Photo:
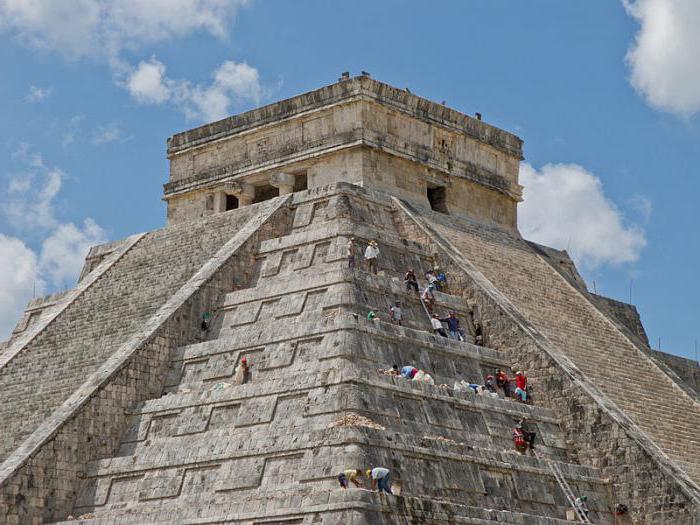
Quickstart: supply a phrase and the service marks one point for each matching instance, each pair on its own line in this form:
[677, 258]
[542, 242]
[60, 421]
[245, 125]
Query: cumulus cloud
[28, 204]
[37, 94]
[106, 134]
[147, 83]
[663, 60]
[107, 30]
[18, 281]
[565, 207]
[64, 251]
[104, 28]
[232, 83]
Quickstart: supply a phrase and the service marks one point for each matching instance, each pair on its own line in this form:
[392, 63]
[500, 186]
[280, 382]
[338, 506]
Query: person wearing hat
[581, 505]
[488, 384]
[242, 372]
[395, 313]
[352, 251]
[380, 479]
[371, 255]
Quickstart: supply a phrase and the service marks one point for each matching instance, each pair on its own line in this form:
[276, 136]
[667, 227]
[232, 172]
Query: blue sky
[605, 95]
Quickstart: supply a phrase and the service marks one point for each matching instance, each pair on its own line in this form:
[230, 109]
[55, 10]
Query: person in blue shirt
[440, 279]
[453, 326]
[409, 371]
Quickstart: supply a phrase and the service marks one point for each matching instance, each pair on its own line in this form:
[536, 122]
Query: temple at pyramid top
[357, 130]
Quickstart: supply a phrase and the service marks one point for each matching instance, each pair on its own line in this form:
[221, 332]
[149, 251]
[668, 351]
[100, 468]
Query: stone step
[343, 506]
[576, 328]
[59, 359]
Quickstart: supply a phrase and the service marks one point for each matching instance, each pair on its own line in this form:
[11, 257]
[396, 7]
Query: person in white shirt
[371, 255]
[351, 253]
[437, 326]
[396, 314]
[380, 479]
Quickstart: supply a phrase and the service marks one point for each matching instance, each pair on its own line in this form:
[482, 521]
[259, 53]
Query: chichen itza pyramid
[119, 405]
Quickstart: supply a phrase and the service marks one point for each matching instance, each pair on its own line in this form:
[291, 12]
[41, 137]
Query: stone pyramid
[121, 407]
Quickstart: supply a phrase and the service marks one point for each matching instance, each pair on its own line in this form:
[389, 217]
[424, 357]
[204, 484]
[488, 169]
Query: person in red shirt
[503, 382]
[521, 386]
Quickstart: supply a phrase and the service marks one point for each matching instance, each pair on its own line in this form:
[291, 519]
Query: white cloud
[64, 251]
[147, 83]
[37, 94]
[565, 207]
[18, 281]
[28, 204]
[30, 193]
[107, 30]
[664, 59]
[103, 28]
[106, 134]
[232, 83]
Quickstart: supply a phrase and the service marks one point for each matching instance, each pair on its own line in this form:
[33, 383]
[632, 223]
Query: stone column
[247, 194]
[219, 201]
[283, 181]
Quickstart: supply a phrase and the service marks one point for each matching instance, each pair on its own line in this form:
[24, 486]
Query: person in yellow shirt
[347, 476]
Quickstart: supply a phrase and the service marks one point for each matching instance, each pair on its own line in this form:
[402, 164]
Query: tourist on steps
[410, 281]
[350, 476]
[428, 297]
[581, 505]
[437, 326]
[489, 385]
[528, 435]
[351, 251]
[242, 373]
[371, 255]
[503, 382]
[395, 313]
[409, 372]
[431, 278]
[521, 386]
[380, 479]
[453, 326]
[441, 280]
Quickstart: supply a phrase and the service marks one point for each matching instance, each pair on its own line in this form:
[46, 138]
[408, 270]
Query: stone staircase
[626, 375]
[55, 362]
[210, 451]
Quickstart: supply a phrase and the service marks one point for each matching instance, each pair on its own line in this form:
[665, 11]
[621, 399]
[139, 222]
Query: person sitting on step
[409, 372]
